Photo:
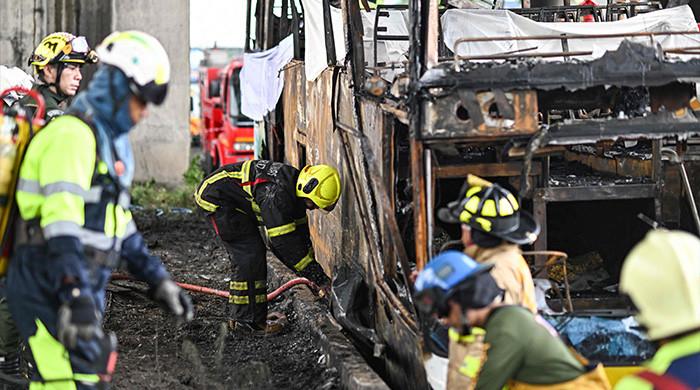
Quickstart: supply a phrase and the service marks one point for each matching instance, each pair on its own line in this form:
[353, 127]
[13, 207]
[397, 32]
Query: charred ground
[157, 353]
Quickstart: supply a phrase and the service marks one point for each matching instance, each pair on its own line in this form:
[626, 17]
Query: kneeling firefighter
[75, 225]
[239, 197]
[517, 348]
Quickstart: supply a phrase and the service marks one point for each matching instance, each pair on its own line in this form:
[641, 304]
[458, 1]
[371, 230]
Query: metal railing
[564, 38]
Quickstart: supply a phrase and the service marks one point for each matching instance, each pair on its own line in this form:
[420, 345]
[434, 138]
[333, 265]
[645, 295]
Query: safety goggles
[77, 45]
[78, 50]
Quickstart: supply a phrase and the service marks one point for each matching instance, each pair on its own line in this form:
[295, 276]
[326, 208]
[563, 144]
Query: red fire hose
[225, 294]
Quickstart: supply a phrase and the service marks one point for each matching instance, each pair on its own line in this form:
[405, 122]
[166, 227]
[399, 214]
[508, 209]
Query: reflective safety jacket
[677, 361]
[265, 191]
[69, 202]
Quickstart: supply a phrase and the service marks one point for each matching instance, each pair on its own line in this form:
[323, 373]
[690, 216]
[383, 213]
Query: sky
[217, 21]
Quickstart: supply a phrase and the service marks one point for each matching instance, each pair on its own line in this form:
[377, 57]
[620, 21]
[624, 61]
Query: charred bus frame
[389, 142]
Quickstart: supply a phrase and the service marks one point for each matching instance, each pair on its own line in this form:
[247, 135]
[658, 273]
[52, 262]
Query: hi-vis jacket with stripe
[264, 191]
[69, 202]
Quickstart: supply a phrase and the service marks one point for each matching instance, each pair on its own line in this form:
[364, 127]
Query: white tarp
[315, 60]
[262, 80]
[459, 23]
[13, 77]
[387, 51]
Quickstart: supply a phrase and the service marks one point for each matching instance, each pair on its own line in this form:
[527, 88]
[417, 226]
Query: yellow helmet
[662, 277]
[62, 47]
[321, 184]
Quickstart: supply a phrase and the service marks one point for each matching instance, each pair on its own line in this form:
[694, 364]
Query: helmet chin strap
[56, 83]
[464, 328]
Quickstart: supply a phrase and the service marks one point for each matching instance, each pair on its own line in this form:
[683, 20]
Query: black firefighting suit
[239, 198]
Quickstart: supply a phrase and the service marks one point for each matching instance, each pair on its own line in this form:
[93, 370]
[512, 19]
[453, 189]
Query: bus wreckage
[593, 124]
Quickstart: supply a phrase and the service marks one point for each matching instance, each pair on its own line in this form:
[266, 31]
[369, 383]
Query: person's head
[319, 187]
[490, 215]
[661, 275]
[58, 59]
[455, 287]
[144, 63]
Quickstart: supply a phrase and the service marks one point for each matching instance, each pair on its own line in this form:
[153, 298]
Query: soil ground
[156, 353]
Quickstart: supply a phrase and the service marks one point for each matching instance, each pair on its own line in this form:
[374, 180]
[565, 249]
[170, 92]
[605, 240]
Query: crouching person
[75, 223]
[508, 344]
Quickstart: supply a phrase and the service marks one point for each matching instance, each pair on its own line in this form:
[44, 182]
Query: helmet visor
[79, 45]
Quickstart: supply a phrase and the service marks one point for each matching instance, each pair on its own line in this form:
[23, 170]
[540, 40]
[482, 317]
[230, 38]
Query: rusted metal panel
[604, 192]
[513, 168]
[477, 114]
[617, 166]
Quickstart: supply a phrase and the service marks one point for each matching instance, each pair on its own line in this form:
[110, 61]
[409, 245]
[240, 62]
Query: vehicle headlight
[243, 146]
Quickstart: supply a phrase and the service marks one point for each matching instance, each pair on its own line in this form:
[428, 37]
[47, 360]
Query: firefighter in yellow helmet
[242, 196]
[493, 227]
[57, 63]
[661, 275]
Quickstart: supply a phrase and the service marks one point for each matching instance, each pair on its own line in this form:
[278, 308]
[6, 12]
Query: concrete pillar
[162, 141]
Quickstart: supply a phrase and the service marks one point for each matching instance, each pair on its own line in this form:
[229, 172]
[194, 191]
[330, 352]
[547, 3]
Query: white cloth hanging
[262, 79]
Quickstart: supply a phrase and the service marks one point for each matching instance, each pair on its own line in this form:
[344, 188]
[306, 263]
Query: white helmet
[662, 276]
[142, 59]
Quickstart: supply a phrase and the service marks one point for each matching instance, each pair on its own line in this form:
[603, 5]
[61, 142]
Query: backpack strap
[662, 382]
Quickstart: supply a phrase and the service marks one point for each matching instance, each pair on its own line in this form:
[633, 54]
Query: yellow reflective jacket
[66, 190]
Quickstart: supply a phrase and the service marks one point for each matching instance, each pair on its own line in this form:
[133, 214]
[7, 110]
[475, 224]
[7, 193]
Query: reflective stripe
[471, 366]
[88, 237]
[30, 186]
[208, 206]
[281, 230]
[261, 298]
[33, 187]
[130, 229]
[303, 263]
[62, 228]
[245, 177]
[238, 300]
[51, 357]
[86, 378]
[124, 200]
[260, 284]
[455, 336]
[239, 286]
[302, 221]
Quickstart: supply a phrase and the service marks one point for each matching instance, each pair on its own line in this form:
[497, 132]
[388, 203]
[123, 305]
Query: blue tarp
[610, 340]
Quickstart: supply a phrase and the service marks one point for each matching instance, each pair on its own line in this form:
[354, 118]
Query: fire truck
[227, 135]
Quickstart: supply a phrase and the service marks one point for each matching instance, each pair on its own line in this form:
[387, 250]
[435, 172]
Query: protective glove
[174, 299]
[78, 318]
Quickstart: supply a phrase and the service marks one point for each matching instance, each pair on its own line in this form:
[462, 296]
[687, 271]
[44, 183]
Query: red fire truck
[227, 135]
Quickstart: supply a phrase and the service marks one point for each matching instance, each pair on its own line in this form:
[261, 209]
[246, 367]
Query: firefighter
[75, 225]
[521, 350]
[57, 63]
[661, 275]
[238, 198]
[493, 227]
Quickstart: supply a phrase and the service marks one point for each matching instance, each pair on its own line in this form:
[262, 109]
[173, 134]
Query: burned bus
[588, 112]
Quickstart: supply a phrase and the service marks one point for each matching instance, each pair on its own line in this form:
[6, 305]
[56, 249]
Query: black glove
[174, 299]
[78, 318]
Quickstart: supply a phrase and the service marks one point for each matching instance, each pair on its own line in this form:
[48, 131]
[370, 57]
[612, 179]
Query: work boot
[275, 323]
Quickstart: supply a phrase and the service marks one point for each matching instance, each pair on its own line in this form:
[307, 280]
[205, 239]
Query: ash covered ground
[156, 353]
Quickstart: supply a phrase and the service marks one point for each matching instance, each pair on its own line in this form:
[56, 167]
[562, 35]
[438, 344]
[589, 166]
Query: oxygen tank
[15, 133]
